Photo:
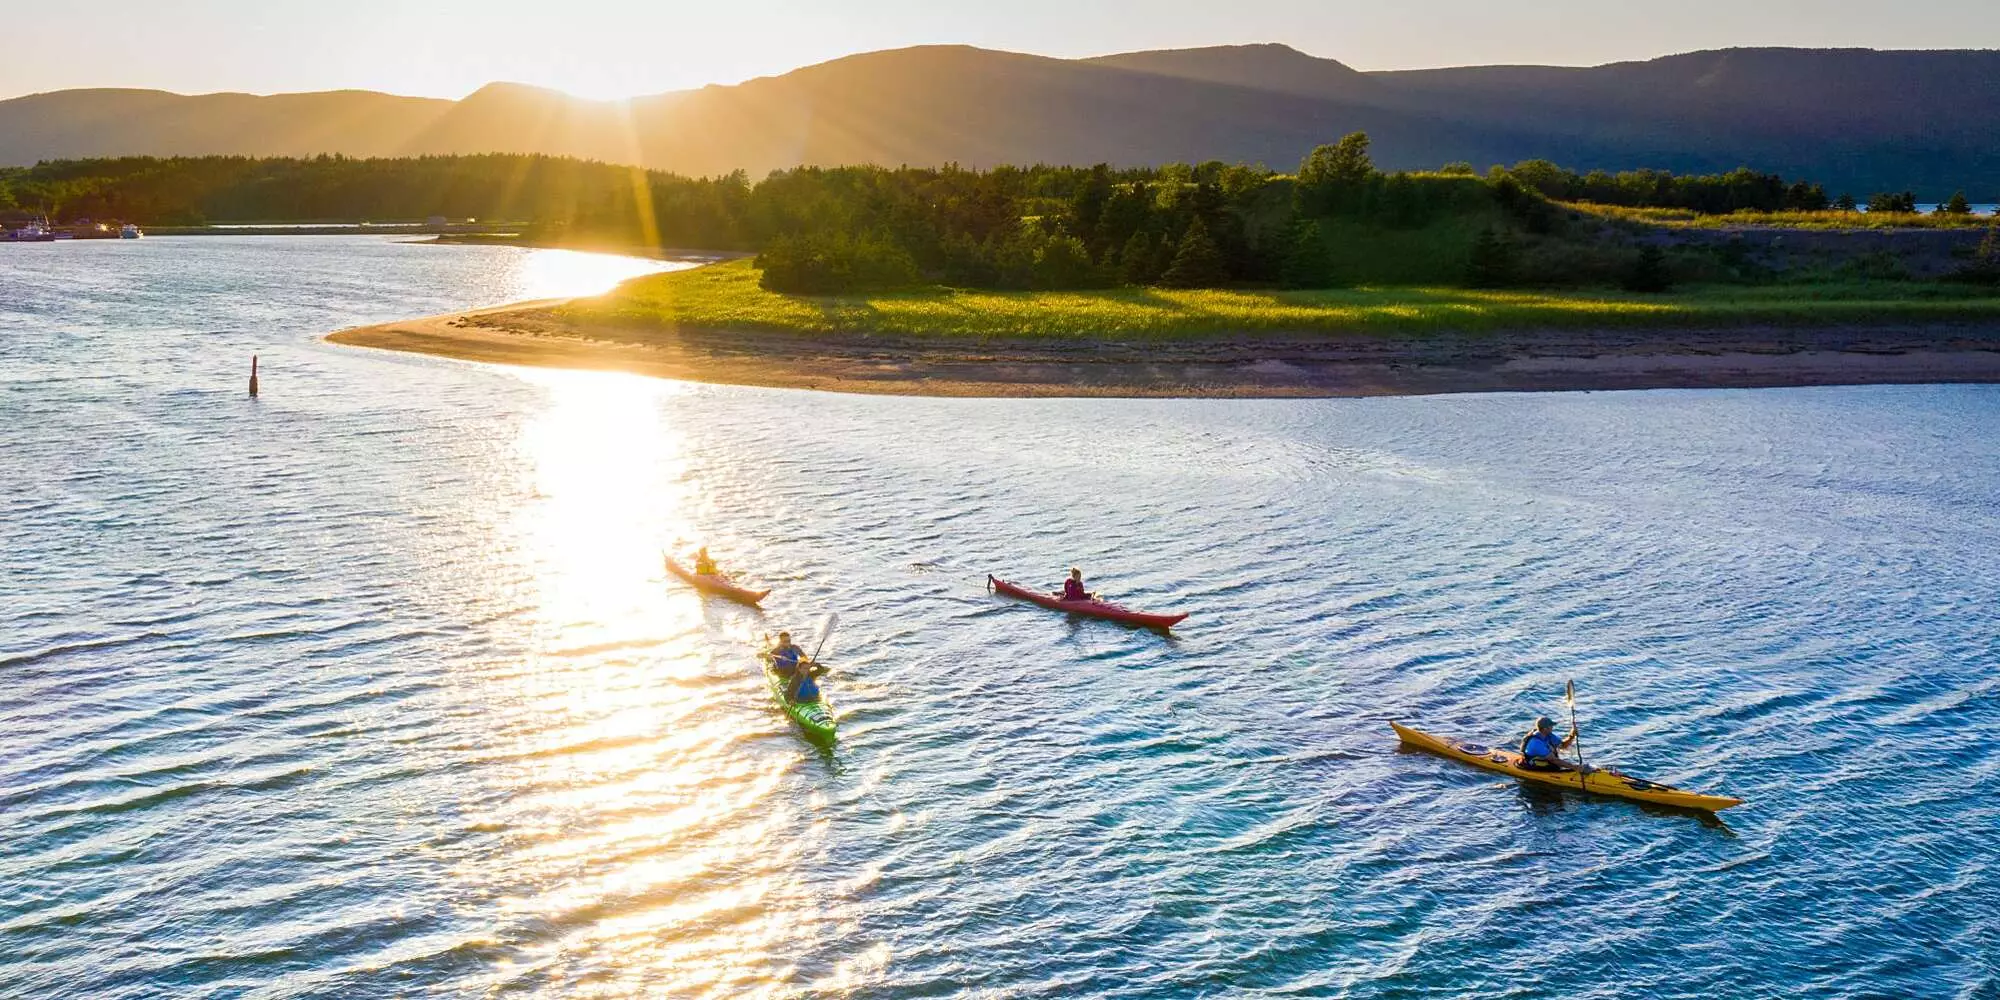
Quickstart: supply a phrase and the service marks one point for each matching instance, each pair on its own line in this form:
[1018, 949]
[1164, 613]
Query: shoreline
[1285, 366]
[645, 250]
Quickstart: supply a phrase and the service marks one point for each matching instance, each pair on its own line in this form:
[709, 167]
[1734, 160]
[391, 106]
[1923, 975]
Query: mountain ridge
[1857, 119]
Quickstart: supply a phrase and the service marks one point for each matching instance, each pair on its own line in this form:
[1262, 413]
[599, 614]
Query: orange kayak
[716, 585]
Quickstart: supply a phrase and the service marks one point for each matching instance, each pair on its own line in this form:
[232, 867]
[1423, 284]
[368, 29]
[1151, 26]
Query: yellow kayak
[1603, 781]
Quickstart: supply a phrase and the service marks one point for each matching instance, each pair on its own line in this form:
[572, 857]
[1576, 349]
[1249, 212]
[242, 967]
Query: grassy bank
[725, 296]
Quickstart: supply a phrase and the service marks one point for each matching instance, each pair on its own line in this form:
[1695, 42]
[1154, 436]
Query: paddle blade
[1569, 693]
[826, 632]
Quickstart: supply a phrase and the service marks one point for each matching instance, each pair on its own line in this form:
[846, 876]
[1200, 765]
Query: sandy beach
[1371, 364]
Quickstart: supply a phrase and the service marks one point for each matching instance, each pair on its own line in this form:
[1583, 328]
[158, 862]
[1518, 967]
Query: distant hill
[1859, 120]
[1273, 67]
[83, 123]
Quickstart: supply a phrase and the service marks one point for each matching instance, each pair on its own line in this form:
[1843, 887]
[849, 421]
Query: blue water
[373, 687]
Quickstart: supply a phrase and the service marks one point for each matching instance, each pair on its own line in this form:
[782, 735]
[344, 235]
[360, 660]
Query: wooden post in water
[253, 376]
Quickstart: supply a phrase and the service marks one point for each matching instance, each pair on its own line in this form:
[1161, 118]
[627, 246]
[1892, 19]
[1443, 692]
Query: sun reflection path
[642, 833]
[607, 484]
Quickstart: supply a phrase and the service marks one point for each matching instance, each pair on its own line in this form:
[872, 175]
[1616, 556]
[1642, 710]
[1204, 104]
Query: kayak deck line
[814, 718]
[716, 585]
[1092, 608]
[1603, 781]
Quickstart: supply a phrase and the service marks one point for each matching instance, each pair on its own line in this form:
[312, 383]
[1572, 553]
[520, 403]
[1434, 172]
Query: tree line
[830, 229]
[1178, 226]
[1739, 190]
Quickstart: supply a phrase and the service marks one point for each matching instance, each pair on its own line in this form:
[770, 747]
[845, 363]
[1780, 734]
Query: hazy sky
[604, 48]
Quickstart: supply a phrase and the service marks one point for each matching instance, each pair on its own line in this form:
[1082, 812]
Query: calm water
[374, 687]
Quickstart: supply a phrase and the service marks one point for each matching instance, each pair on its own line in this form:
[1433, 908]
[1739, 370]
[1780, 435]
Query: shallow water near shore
[375, 687]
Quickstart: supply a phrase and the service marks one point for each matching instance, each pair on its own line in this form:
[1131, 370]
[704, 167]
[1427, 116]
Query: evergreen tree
[1846, 203]
[1064, 262]
[1491, 263]
[1086, 207]
[1163, 256]
[1889, 202]
[1649, 271]
[1306, 263]
[1198, 262]
[1804, 197]
[1136, 265]
[1956, 206]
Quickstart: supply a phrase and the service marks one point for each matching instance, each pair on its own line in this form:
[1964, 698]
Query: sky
[618, 48]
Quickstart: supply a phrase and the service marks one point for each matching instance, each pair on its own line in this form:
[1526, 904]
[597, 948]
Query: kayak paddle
[825, 633]
[1569, 698]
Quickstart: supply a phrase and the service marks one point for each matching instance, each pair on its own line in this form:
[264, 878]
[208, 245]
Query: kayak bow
[1602, 781]
[1092, 608]
[815, 718]
[714, 584]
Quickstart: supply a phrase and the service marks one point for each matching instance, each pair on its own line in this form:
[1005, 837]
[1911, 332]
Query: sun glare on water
[563, 274]
[643, 840]
[605, 472]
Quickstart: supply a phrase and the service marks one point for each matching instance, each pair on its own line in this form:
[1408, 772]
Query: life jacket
[1073, 591]
[1553, 745]
[804, 688]
[786, 659]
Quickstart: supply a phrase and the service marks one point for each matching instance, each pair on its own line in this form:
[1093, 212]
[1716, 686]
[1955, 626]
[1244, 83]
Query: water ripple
[375, 687]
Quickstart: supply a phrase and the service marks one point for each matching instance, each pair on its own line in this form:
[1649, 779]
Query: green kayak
[815, 718]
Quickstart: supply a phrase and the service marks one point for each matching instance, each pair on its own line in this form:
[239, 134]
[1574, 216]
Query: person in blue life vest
[1073, 587]
[795, 669]
[803, 690]
[1541, 751]
[786, 655]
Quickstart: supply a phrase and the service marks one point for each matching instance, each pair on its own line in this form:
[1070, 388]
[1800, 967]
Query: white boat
[129, 231]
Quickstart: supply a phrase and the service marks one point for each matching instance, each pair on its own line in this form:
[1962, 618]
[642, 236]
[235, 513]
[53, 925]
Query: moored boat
[33, 232]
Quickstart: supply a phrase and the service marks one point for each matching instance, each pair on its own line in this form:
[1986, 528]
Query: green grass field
[726, 296]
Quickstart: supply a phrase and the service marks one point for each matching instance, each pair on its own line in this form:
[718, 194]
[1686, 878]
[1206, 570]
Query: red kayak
[716, 585]
[1091, 608]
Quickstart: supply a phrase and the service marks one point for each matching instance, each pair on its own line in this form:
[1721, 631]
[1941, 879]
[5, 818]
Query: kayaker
[703, 565]
[786, 656]
[791, 664]
[803, 690]
[1541, 751]
[1073, 587]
